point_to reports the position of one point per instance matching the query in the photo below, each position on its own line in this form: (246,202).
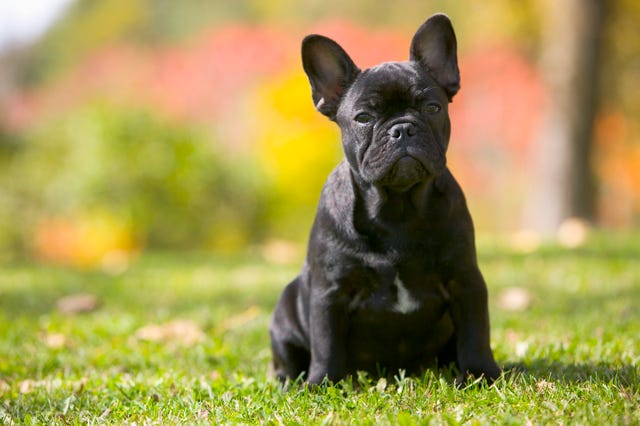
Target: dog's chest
(405,301)
(398,291)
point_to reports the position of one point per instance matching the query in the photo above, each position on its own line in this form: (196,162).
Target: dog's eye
(432,108)
(364,118)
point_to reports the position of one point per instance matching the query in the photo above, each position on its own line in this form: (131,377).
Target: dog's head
(393,117)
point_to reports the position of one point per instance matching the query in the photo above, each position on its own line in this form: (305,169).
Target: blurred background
(159,125)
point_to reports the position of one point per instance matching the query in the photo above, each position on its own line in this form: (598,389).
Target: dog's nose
(402,130)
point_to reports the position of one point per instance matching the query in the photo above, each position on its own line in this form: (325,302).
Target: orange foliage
(193,82)
(495,116)
(85,241)
(246,82)
(618,170)
(202,79)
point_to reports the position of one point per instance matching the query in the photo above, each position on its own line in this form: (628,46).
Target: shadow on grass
(601,372)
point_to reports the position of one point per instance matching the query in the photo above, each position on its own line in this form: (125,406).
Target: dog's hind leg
(290,356)
(289,361)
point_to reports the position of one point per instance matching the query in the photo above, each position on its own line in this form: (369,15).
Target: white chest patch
(405,303)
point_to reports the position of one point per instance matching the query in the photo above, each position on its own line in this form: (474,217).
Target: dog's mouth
(405,173)
(399,167)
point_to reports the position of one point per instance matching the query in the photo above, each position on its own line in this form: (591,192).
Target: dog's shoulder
(447,185)
(448,188)
(338,196)
(334,215)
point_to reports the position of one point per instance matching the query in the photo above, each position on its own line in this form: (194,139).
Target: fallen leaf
(247,275)
(227,397)
(281,252)
(522,348)
(511,336)
(55,340)
(183,332)
(80,385)
(514,299)
(241,319)
(573,232)
(116,262)
(26,386)
(78,303)
(4,387)
(543,385)
(525,241)
(104,414)
(381,385)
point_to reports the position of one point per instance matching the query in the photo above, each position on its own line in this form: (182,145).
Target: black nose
(401,131)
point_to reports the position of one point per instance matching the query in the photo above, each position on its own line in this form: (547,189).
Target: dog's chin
(405,173)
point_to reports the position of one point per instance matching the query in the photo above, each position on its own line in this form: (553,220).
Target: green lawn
(182,338)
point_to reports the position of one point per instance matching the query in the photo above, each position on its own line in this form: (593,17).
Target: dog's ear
(434,47)
(330,70)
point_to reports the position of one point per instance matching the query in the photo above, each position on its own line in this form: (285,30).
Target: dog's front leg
(328,332)
(470,314)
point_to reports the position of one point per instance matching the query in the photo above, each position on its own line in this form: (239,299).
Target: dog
(391,279)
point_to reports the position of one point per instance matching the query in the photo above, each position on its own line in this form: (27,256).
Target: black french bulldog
(391,279)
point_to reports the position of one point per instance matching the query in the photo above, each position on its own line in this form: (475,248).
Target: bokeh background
(139,125)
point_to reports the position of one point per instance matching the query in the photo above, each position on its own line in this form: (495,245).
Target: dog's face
(393,117)
(395,125)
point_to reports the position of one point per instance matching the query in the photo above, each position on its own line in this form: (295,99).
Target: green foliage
(88,25)
(164,181)
(573,352)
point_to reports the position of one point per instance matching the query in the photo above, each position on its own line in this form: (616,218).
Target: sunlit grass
(572,348)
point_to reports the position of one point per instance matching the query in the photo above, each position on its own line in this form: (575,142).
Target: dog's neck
(382,204)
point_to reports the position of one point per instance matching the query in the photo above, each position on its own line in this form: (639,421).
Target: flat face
(395,125)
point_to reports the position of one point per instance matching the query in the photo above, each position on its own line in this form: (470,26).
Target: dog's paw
(476,376)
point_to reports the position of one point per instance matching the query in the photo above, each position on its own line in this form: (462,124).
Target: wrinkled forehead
(392,79)
(393,70)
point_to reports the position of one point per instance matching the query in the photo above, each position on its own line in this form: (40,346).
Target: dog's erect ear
(330,70)
(434,47)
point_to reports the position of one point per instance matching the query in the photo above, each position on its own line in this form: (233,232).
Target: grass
(573,353)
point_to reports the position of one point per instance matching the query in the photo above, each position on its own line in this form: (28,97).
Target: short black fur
(391,279)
